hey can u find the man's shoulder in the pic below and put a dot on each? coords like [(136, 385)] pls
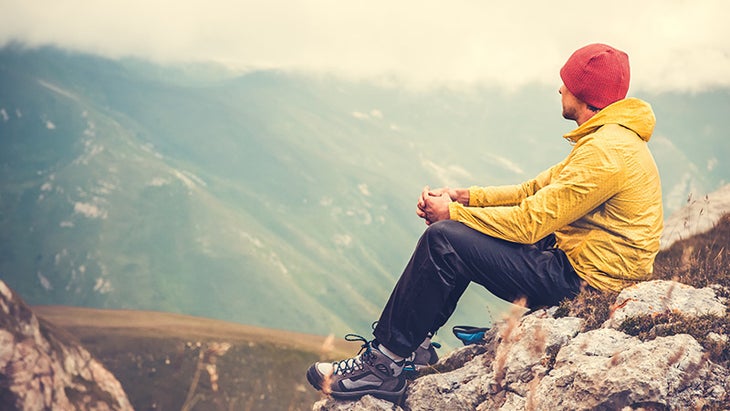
[(611, 136)]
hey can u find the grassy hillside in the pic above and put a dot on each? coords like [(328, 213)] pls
[(164, 361)]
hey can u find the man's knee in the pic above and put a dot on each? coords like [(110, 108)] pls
[(443, 228), (439, 240), (448, 235)]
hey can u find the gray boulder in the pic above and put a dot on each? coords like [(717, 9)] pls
[(653, 297), (366, 403), (42, 369), (606, 369)]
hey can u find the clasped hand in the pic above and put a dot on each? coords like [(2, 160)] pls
[(433, 205)]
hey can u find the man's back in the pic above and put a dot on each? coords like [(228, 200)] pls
[(615, 244)]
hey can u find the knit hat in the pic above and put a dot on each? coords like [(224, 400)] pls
[(597, 74)]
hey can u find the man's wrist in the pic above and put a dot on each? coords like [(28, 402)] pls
[(460, 195)]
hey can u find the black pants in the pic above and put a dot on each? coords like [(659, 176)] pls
[(448, 257)]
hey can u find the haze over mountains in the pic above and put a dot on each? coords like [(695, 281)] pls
[(267, 198)]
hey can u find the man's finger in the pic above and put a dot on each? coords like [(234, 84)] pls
[(422, 199)]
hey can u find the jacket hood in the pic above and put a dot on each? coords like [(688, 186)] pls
[(632, 113)]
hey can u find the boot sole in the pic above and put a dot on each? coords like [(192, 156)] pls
[(315, 379), (392, 396)]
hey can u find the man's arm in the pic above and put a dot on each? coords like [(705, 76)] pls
[(590, 176), (479, 196), (510, 195)]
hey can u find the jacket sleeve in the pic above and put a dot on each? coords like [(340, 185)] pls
[(512, 194), (528, 212)]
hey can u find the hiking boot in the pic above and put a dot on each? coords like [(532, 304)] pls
[(369, 373), (423, 357)]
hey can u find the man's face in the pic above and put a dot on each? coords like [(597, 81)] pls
[(571, 104)]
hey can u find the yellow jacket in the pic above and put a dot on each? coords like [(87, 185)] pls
[(603, 202)]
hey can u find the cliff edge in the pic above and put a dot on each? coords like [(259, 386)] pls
[(43, 368)]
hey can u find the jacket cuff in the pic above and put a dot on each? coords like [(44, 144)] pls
[(454, 210), (476, 193)]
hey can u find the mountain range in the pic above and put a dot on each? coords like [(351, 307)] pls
[(267, 198)]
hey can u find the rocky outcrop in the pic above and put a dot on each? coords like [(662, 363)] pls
[(655, 297), (41, 368), (699, 215), (541, 362)]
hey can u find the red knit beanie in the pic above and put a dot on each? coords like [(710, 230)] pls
[(597, 74)]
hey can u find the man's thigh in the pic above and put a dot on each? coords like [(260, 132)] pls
[(539, 272)]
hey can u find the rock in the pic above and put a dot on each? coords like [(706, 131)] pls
[(538, 362), (460, 389), (43, 369), (606, 369), (660, 296), (366, 403), (698, 216), (516, 353), (462, 355), (529, 351)]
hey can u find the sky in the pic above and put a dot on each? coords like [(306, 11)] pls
[(674, 45)]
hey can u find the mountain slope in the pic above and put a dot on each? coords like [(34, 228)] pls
[(264, 198)]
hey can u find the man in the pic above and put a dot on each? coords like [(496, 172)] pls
[(591, 221)]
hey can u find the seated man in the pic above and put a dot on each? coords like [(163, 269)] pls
[(591, 221)]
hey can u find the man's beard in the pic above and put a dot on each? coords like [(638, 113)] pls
[(569, 114)]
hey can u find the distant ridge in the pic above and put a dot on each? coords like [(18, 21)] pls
[(145, 323), (173, 361)]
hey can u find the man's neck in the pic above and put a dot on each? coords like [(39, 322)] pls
[(584, 116)]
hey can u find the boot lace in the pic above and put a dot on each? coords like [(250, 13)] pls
[(350, 365)]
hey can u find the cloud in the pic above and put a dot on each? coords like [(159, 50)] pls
[(506, 163), (374, 114), (673, 44), (448, 175)]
